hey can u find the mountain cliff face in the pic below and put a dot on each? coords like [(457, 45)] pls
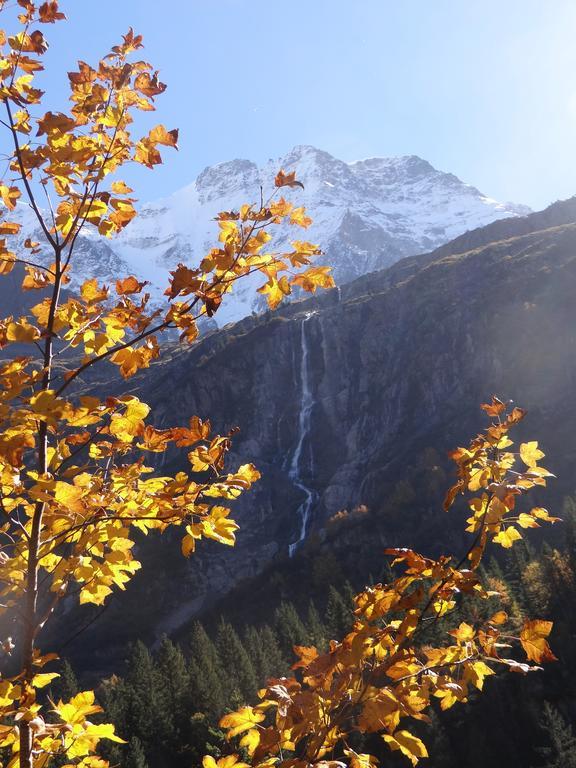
[(353, 398), (367, 215)]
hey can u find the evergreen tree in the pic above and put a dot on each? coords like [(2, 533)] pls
[(515, 565), (204, 738), (146, 711), (274, 663), (495, 570), (65, 686), (172, 672), (291, 631), (316, 630), (253, 646), (569, 518), (171, 664), (205, 674), (135, 757), (348, 595), (561, 749), (240, 681), (339, 616), (441, 752), (143, 689)]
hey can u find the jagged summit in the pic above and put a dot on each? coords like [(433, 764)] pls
[(367, 215), (412, 163), (226, 178)]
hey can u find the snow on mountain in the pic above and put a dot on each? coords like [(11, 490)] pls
[(367, 215)]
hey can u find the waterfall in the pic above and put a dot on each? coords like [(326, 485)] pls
[(298, 464)]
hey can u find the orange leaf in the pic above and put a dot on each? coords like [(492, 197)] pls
[(533, 638), (287, 180), (129, 285)]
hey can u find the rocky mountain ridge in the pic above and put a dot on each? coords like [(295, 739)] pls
[(367, 215)]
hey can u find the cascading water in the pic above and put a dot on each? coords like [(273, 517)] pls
[(298, 464)]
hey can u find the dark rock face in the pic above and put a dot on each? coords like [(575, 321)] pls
[(396, 362)]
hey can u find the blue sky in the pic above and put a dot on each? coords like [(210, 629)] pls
[(485, 89)]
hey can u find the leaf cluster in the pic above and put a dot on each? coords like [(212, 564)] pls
[(385, 674), (75, 482)]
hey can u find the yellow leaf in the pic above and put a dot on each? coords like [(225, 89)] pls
[(464, 633), (9, 196), (130, 424), (409, 745), (22, 332), (242, 720), (250, 740), (530, 453), (361, 760), (104, 731), (47, 406), (298, 217), (78, 708), (218, 527), (476, 673), (120, 188), (43, 679), (229, 761), (543, 514), (527, 521), (275, 291), (91, 292), (507, 537), (313, 278), (189, 541)]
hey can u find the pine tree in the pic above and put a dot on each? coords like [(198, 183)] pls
[(142, 683), (569, 517), (441, 751), (348, 595), (316, 630), (339, 616), (274, 663), (561, 749), (205, 674), (239, 679), (515, 566), (291, 631), (253, 646), (136, 757), (495, 570), (537, 587), (172, 671), (147, 715), (65, 686), (171, 664)]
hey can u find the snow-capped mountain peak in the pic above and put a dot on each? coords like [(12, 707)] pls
[(367, 214)]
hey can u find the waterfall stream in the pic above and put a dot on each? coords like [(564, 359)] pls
[(298, 463)]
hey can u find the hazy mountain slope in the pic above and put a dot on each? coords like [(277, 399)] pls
[(392, 371)]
